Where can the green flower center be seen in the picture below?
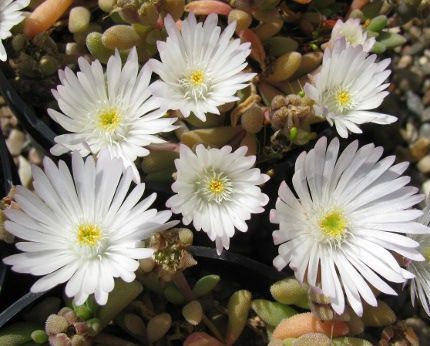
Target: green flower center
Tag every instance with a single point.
(333, 224)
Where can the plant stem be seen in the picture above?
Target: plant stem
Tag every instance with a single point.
(182, 284)
(209, 324)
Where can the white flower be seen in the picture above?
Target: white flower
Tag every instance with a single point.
(350, 213)
(200, 68)
(113, 111)
(10, 15)
(420, 285)
(217, 190)
(348, 86)
(353, 33)
(82, 229)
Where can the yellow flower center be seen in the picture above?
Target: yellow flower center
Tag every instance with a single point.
(216, 186)
(109, 119)
(343, 98)
(196, 78)
(333, 224)
(88, 234)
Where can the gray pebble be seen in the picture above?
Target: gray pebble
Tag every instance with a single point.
(414, 103)
(426, 68)
(425, 117)
(426, 98)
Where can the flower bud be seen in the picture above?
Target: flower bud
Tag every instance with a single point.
(55, 324)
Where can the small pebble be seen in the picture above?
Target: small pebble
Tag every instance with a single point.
(414, 49)
(419, 148)
(425, 115)
(426, 98)
(422, 60)
(405, 61)
(414, 104)
(426, 187)
(415, 32)
(426, 68)
(423, 165)
(425, 130)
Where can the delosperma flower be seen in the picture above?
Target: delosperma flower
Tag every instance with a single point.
(350, 213)
(82, 229)
(353, 33)
(112, 110)
(217, 190)
(200, 68)
(348, 87)
(10, 15)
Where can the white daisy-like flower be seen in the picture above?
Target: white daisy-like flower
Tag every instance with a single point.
(200, 67)
(349, 215)
(10, 15)
(420, 285)
(353, 33)
(112, 110)
(83, 229)
(217, 190)
(348, 86)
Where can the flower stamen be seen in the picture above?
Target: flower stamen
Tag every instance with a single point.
(214, 186)
(195, 85)
(333, 225)
(196, 78)
(343, 99)
(88, 234)
(109, 119)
